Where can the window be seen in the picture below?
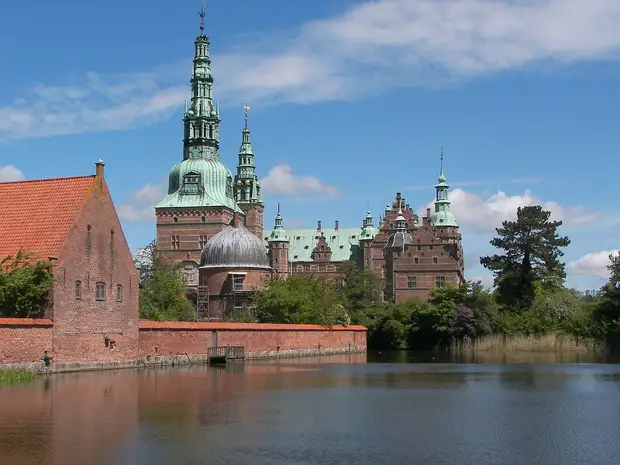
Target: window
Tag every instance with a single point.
(416, 260)
(203, 219)
(419, 247)
(119, 292)
(237, 283)
(440, 281)
(435, 260)
(100, 291)
(78, 290)
(411, 282)
(339, 283)
(202, 241)
(430, 247)
(175, 242)
(175, 220)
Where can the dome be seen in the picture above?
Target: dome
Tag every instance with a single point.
(399, 240)
(444, 218)
(234, 248)
(198, 182)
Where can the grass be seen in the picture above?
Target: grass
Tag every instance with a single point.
(8, 377)
(548, 343)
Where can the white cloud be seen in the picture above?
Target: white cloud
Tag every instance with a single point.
(281, 180)
(140, 206)
(372, 46)
(484, 214)
(485, 279)
(592, 264)
(10, 173)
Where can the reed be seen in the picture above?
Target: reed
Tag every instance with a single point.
(548, 343)
(16, 376)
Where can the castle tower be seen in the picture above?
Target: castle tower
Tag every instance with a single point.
(366, 237)
(247, 186)
(278, 248)
(442, 218)
(200, 200)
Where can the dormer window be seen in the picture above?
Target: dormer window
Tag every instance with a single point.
(229, 187)
(191, 183)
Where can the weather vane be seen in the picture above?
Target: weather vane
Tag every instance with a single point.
(246, 110)
(202, 16)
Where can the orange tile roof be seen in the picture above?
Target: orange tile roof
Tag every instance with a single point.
(36, 216)
(25, 322)
(221, 326)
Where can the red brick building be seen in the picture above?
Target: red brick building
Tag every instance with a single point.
(72, 223)
(410, 254)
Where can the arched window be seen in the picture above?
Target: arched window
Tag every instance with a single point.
(119, 292)
(100, 291)
(78, 290)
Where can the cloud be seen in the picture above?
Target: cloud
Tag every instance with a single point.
(10, 173)
(381, 44)
(592, 264)
(485, 279)
(482, 215)
(140, 206)
(281, 180)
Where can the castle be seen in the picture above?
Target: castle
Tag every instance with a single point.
(211, 223)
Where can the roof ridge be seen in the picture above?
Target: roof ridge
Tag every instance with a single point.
(63, 178)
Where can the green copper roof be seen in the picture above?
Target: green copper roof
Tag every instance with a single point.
(343, 242)
(442, 216)
(199, 182)
(278, 234)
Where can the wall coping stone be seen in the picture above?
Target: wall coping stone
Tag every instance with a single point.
(38, 322)
(146, 325)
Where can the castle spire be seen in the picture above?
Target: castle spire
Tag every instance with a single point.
(201, 119)
(247, 188)
(442, 216)
(278, 234)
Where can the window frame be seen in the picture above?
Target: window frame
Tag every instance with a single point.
(119, 292)
(98, 287)
(78, 290)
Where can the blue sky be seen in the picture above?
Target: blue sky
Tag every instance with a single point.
(351, 102)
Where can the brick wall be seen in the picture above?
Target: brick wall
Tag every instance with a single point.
(196, 338)
(95, 252)
(23, 340)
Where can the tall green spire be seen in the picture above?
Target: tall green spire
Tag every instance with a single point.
(201, 119)
(247, 186)
(368, 230)
(278, 234)
(442, 215)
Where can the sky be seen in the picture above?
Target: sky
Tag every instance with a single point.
(350, 100)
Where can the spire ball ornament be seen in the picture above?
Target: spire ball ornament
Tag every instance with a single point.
(202, 17)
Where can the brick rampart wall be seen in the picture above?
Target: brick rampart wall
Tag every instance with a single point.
(23, 340)
(196, 338)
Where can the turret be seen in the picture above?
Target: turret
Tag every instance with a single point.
(247, 186)
(278, 247)
(442, 217)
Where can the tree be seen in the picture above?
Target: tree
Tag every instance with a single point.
(531, 257)
(607, 312)
(162, 289)
(301, 299)
(25, 284)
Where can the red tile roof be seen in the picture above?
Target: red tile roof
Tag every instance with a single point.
(36, 216)
(25, 322)
(217, 326)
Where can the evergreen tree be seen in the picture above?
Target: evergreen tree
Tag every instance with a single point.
(531, 257)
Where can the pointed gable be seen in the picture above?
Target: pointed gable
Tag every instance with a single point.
(36, 216)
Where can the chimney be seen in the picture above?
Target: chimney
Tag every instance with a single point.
(318, 225)
(428, 212)
(398, 197)
(336, 225)
(99, 168)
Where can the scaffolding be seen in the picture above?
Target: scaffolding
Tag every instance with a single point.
(203, 299)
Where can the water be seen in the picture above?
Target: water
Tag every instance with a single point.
(334, 410)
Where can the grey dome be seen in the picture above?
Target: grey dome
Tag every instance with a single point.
(234, 248)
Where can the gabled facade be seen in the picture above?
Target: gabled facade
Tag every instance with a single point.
(411, 255)
(72, 223)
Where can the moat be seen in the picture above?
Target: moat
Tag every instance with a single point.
(332, 410)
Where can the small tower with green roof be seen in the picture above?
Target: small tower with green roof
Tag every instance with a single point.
(278, 248)
(247, 186)
(442, 217)
(366, 236)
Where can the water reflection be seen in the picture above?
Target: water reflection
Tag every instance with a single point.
(337, 410)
